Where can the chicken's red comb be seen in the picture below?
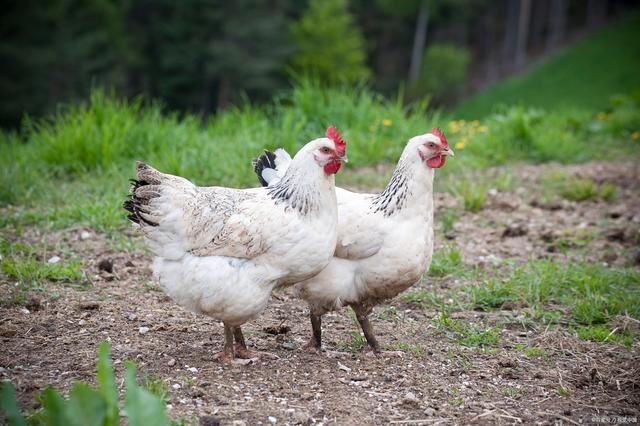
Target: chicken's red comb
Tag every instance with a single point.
(334, 135)
(437, 132)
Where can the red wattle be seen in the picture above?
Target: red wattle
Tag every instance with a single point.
(436, 162)
(332, 167)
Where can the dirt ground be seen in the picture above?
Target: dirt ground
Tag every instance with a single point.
(54, 339)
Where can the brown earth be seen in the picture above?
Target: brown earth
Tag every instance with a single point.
(53, 340)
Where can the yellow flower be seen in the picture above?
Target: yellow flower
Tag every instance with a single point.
(386, 122)
(635, 135)
(483, 129)
(462, 143)
(453, 127)
(602, 116)
(475, 123)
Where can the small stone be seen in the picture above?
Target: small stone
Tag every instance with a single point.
(289, 346)
(171, 362)
(209, 421)
(343, 367)
(82, 322)
(54, 259)
(272, 420)
(25, 311)
(430, 412)
(132, 317)
(411, 399)
(85, 235)
(176, 386)
(193, 370)
(143, 330)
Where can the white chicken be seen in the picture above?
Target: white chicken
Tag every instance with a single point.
(221, 251)
(385, 241)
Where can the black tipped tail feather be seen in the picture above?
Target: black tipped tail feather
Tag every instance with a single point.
(265, 161)
(137, 203)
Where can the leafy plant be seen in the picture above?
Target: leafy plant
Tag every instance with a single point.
(89, 406)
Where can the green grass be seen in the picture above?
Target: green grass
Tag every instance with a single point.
(467, 333)
(573, 78)
(446, 261)
(586, 295)
(73, 169)
(26, 271)
(561, 185)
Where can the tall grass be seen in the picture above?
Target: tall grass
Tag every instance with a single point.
(72, 169)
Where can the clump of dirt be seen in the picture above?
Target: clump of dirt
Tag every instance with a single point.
(53, 339)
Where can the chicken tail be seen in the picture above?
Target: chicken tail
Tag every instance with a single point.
(270, 167)
(145, 187)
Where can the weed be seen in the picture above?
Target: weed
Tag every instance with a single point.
(355, 344)
(602, 334)
(564, 391)
(157, 387)
(459, 360)
(448, 220)
(446, 261)
(492, 295)
(20, 263)
(608, 192)
(534, 352)
(87, 405)
(466, 333)
(473, 195)
(510, 392)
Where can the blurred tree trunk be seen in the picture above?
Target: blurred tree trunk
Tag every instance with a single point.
(557, 24)
(510, 35)
(596, 13)
(523, 34)
(224, 91)
(419, 39)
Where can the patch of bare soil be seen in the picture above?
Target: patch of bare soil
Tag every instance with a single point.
(54, 339)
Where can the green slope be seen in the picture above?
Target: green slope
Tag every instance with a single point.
(584, 76)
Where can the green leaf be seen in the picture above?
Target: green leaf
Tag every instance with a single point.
(142, 407)
(87, 407)
(54, 407)
(9, 406)
(107, 385)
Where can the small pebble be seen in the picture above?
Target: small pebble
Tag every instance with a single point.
(193, 370)
(272, 420)
(143, 330)
(171, 362)
(54, 259)
(85, 235)
(176, 386)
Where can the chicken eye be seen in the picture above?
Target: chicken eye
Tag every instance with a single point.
(325, 150)
(431, 145)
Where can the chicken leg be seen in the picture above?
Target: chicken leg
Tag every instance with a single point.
(315, 343)
(227, 354)
(362, 315)
(243, 352)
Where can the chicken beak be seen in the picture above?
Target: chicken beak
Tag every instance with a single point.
(448, 152)
(343, 158)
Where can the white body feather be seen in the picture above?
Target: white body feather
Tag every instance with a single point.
(385, 241)
(222, 251)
